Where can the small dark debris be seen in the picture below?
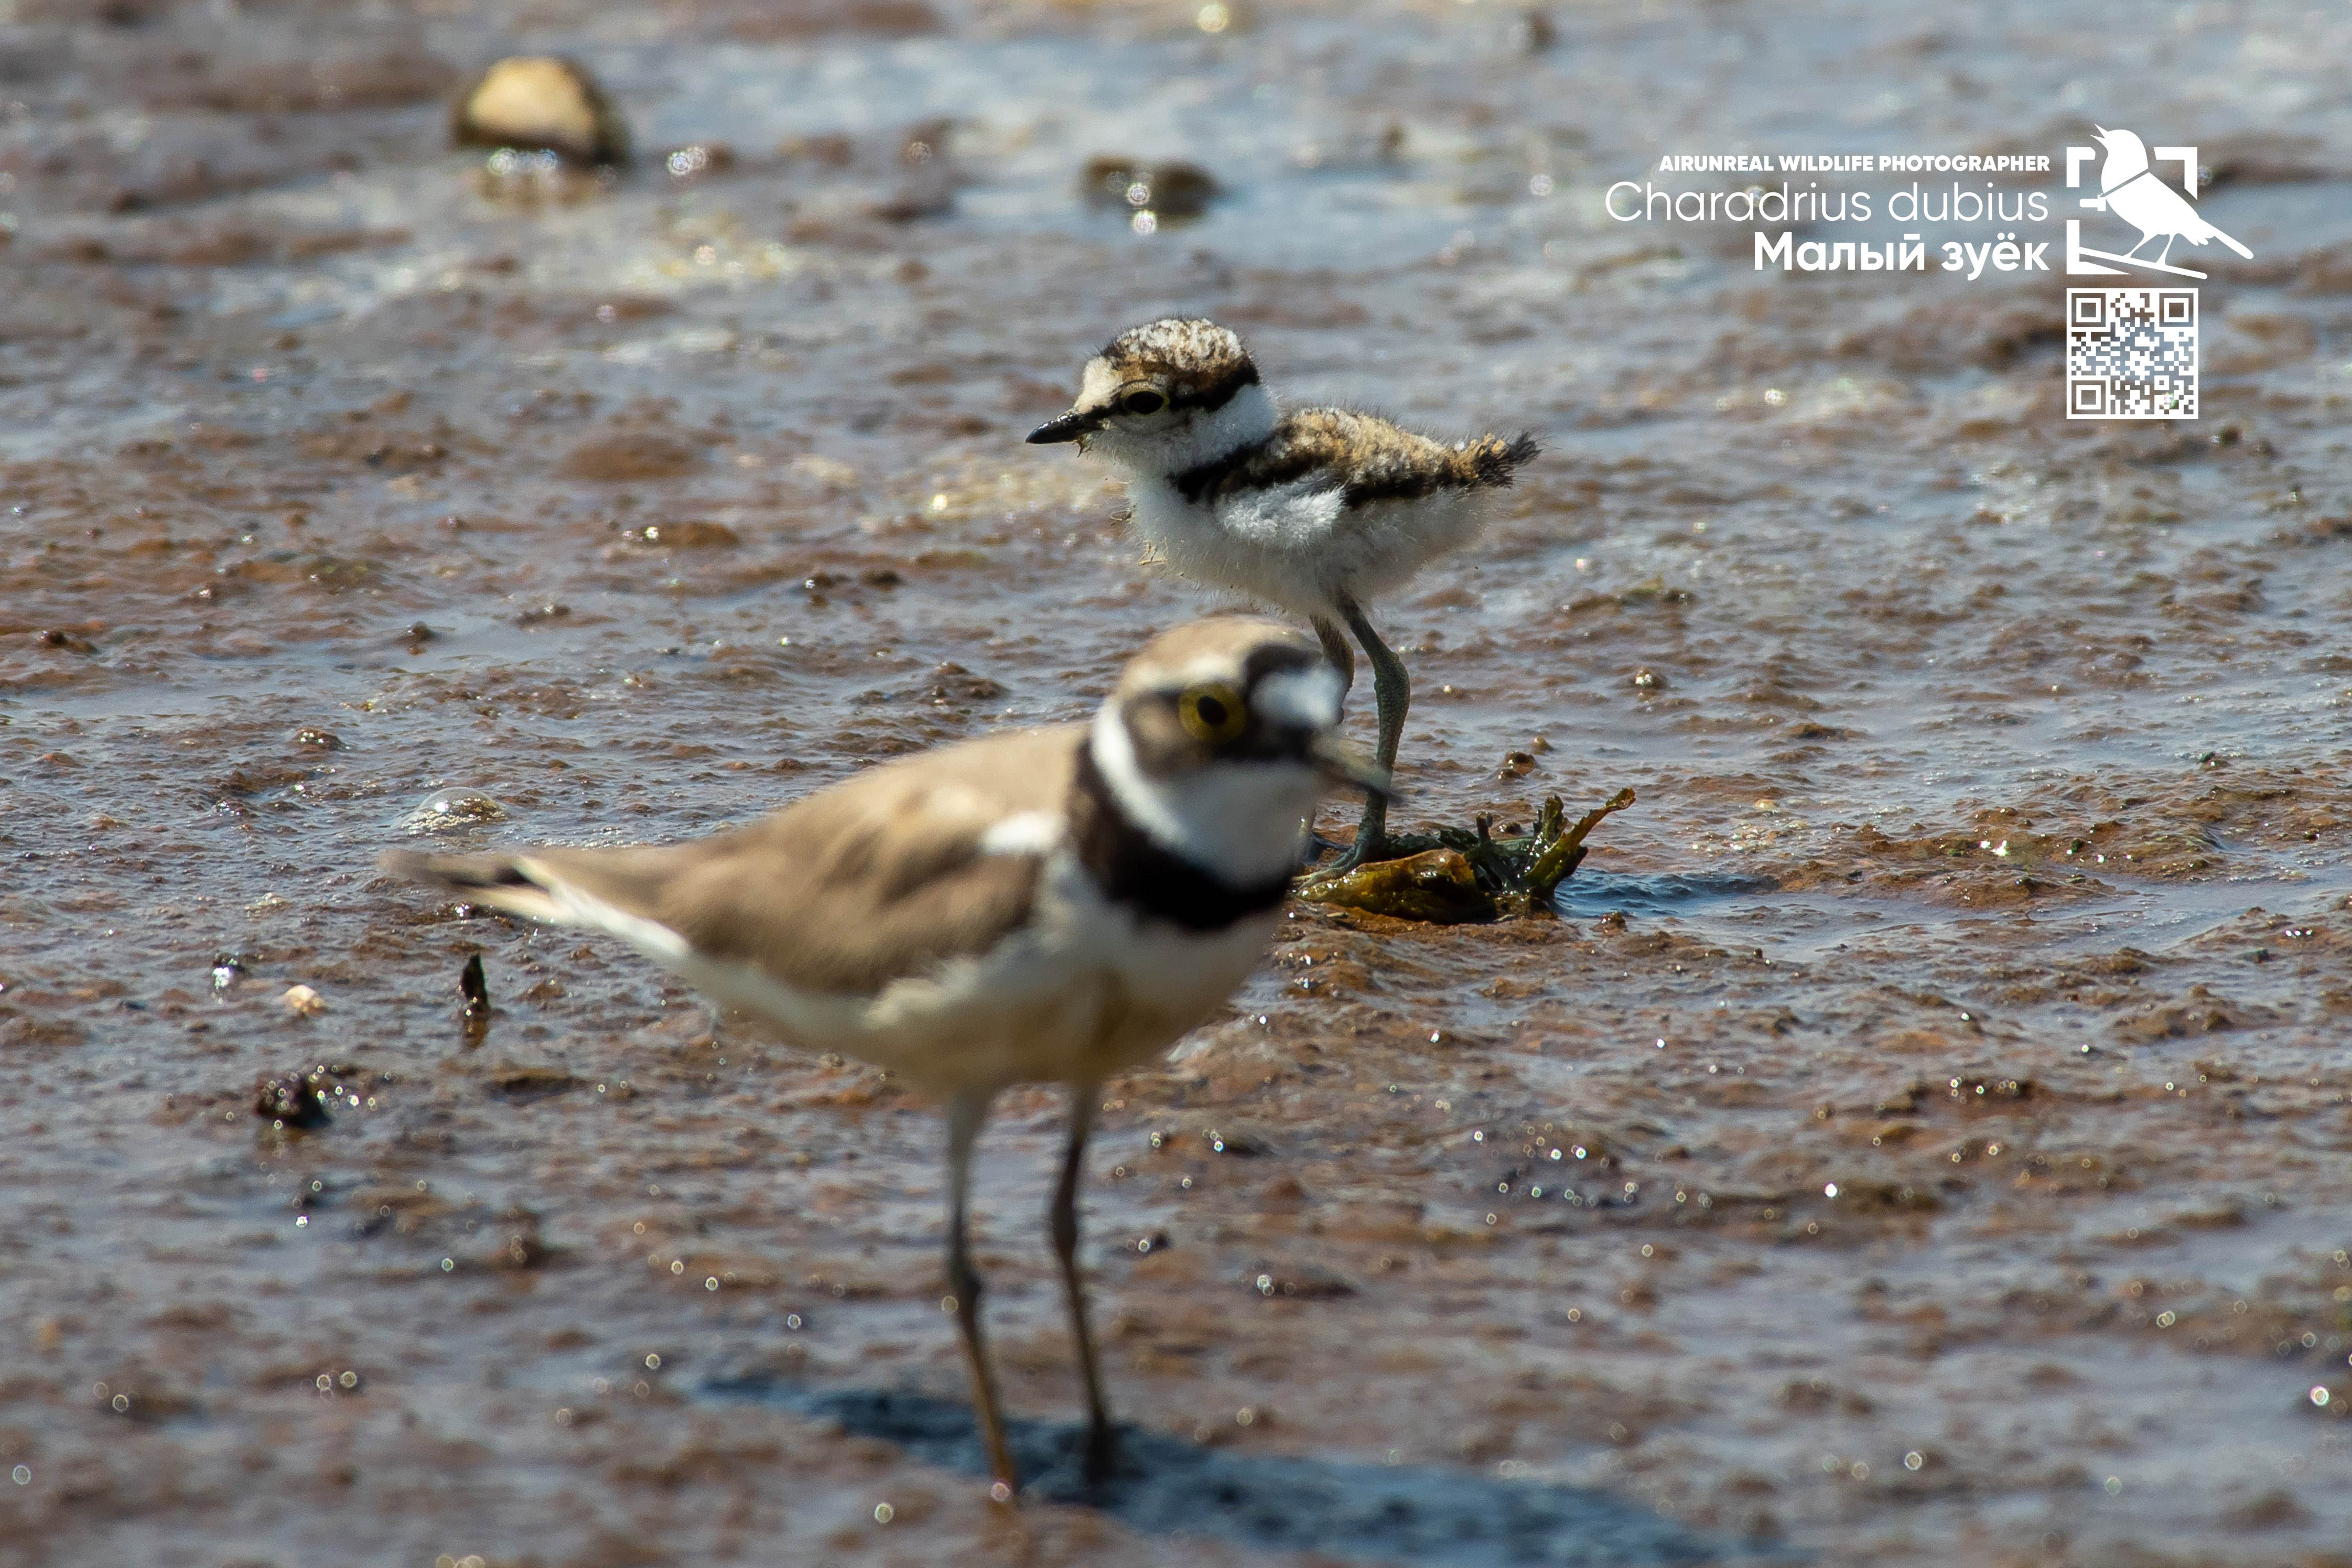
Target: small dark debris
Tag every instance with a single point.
(1130, 185)
(524, 1250)
(474, 988)
(1979, 1090)
(291, 1099)
(691, 534)
(531, 1082)
(1299, 1284)
(698, 161)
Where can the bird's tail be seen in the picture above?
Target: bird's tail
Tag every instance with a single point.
(1493, 460)
(2232, 244)
(502, 881)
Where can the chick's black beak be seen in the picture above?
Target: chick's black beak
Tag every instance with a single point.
(1069, 427)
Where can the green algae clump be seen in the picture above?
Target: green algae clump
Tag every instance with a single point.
(1455, 875)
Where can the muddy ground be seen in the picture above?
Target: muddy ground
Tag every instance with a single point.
(1921, 1136)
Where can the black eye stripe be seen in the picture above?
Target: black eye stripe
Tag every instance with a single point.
(1276, 658)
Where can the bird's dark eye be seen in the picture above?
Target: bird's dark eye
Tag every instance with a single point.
(1142, 403)
(1213, 714)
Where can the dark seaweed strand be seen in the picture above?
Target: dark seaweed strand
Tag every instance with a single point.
(1132, 869)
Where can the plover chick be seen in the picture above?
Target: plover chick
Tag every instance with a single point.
(1317, 511)
(1050, 905)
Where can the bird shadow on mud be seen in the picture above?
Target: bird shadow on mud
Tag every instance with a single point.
(1341, 1508)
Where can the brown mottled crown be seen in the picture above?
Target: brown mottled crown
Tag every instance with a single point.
(1202, 364)
(1237, 649)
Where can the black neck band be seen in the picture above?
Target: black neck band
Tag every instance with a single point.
(1137, 872)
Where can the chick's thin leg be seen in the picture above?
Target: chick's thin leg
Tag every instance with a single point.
(1342, 658)
(1391, 695)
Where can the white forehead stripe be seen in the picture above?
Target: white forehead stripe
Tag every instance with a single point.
(1303, 699)
(1097, 382)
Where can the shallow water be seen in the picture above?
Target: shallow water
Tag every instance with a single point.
(1990, 866)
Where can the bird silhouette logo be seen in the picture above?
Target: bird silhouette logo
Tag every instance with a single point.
(2130, 188)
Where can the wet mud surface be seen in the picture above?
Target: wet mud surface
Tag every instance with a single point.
(1921, 1136)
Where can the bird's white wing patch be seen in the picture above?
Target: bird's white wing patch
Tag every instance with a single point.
(1023, 834)
(574, 907)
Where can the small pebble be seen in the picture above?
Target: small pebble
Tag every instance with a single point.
(541, 104)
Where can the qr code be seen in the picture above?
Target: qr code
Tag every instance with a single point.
(2131, 353)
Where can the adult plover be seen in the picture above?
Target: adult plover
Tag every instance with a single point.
(1051, 905)
(1316, 510)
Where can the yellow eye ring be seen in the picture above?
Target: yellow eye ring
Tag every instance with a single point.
(1213, 714)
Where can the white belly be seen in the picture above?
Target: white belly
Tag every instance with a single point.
(1297, 545)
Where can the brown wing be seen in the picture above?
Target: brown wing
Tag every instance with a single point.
(1361, 454)
(878, 878)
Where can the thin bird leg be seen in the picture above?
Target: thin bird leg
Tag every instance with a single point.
(1100, 1440)
(964, 1118)
(1336, 649)
(1342, 658)
(1392, 694)
(2166, 253)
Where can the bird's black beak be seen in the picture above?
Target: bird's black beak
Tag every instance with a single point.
(1069, 427)
(1343, 764)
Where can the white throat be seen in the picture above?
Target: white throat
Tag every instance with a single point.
(1238, 821)
(1245, 419)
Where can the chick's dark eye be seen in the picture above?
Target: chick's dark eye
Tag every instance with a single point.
(1142, 403)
